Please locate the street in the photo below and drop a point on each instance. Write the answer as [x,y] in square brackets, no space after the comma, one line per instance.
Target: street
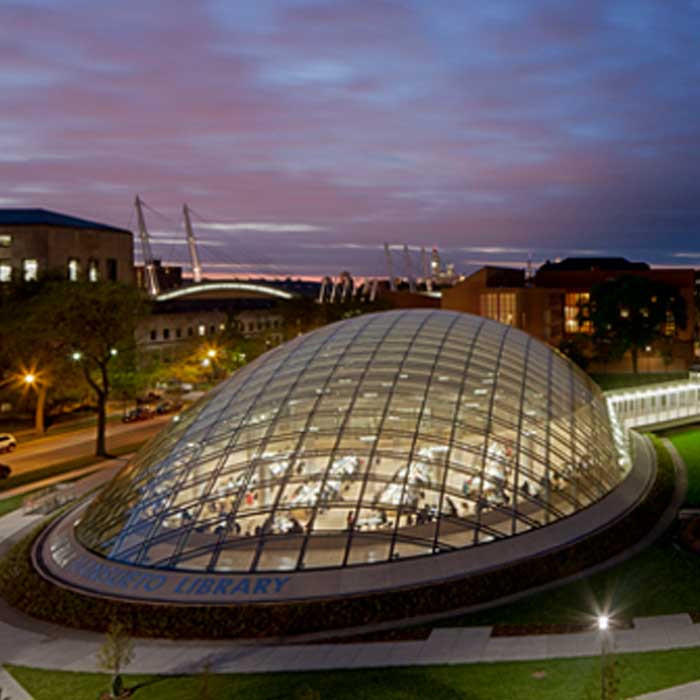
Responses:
[50,450]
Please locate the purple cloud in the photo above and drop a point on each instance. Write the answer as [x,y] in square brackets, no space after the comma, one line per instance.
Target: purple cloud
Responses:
[542,126]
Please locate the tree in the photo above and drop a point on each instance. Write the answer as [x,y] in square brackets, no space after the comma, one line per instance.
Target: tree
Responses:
[95,323]
[32,357]
[577,349]
[114,655]
[304,315]
[630,313]
[69,329]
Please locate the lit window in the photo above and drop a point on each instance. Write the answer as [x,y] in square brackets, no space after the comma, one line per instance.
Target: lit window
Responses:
[201,329]
[93,271]
[670,326]
[73,269]
[30,269]
[500,307]
[5,272]
[5,240]
[572,309]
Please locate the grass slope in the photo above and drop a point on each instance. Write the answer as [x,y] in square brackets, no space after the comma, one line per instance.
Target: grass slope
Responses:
[63,467]
[687,442]
[661,580]
[564,679]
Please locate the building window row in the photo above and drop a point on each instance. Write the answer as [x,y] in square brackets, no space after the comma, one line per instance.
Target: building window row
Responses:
[30,269]
[201,330]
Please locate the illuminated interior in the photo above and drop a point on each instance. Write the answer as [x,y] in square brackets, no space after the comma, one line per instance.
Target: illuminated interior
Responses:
[385,436]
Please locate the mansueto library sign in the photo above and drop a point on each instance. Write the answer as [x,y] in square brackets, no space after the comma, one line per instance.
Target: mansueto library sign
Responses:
[187,586]
[60,557]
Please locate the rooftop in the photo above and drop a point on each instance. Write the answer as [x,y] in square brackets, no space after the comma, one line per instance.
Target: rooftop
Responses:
[592,264]
[45,217]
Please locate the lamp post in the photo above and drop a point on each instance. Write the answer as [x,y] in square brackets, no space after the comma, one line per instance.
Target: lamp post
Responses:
[31,379]
[603,627]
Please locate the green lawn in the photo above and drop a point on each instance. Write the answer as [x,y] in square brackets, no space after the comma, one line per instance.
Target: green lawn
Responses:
[62,468]
[7,505]
[623,381]
[564,679]
[660,580]
[687,442]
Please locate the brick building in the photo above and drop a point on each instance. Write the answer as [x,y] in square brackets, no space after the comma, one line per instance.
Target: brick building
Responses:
[547,306]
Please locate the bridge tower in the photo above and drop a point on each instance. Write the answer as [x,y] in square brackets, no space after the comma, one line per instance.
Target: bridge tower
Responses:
[148,265]
[192,245]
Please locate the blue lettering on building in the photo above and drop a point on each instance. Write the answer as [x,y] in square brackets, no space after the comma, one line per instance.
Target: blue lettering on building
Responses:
[207,586]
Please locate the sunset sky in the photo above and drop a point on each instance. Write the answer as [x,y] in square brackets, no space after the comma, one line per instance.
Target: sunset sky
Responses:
[304,134]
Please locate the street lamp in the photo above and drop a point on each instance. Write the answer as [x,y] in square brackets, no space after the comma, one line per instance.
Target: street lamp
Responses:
[604,629]
[36,381]
[76,356]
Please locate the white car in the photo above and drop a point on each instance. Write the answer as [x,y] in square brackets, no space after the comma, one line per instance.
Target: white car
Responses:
[7,442]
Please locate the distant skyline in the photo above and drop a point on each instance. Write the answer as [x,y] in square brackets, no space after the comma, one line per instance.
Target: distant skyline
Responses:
[304,134]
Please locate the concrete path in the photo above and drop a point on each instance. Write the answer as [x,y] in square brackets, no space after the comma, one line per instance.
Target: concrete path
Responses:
[11,689]
[687,691]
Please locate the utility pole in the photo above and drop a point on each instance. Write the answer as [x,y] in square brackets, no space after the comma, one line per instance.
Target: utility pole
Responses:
[192,245]
[148,265]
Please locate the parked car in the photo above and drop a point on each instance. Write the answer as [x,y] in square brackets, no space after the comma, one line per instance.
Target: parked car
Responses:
[7,442]
[5,471]
[137,414]
[150,397]
[168,407]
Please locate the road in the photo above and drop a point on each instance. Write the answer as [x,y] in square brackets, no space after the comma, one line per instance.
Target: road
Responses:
[50,450]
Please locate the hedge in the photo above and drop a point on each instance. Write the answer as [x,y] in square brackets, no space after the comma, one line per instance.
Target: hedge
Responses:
[26,590]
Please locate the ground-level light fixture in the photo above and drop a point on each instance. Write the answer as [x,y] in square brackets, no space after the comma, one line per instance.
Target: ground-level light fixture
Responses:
[113,352]
[206,362]
[211,353]
[76,356]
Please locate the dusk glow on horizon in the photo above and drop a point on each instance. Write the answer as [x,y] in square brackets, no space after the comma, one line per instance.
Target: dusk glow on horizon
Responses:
[305,134]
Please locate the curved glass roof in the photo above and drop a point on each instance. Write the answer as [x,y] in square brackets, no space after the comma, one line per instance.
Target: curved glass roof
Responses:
[399,434]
